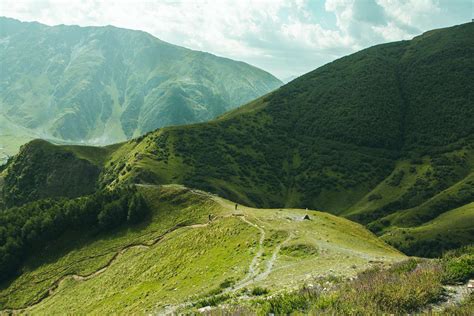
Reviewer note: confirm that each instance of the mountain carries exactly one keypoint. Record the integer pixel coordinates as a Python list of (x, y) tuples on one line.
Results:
[(383, 136), (101, 85), (290, 78)]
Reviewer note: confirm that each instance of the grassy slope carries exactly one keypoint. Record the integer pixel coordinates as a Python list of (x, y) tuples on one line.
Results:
[(191, 261), (449, 230)]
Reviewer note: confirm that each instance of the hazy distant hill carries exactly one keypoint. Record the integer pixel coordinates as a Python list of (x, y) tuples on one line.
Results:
[(290, 78), (106, 84)]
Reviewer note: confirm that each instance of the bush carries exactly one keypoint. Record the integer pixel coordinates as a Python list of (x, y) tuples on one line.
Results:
[(396, 179), (374, 197), (212, 300), (284, 304), (227, 283), (258, 291), (137, 209), (405, 266), (111, 215), (458, 266)]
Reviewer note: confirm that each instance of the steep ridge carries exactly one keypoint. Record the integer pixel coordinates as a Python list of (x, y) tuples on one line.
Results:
[(100, 85), (383, 136)]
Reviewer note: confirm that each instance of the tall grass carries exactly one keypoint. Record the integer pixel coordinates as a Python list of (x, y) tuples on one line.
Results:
[(407, 287), (403, 289)]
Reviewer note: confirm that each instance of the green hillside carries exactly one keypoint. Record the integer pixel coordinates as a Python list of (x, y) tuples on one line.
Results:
[(445, 231), (383, 136), (178, 256), (100, 85)]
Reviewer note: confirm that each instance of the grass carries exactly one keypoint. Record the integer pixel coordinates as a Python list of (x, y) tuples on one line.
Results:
[(213, 300), (299, 250), (86, 254), (411, 286), (201, 264), (393, 291), (162, 274)]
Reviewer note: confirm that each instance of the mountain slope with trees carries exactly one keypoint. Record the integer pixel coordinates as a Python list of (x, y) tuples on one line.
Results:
[(383, 136)]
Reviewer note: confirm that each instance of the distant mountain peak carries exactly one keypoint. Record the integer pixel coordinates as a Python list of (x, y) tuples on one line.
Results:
[(108, 84)]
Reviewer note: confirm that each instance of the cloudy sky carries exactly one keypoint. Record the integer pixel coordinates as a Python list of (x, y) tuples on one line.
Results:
[(285, 37)]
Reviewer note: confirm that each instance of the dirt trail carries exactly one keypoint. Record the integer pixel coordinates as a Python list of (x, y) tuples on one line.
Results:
[(252, 275), (253, 269), (272, 260), (455, 294)]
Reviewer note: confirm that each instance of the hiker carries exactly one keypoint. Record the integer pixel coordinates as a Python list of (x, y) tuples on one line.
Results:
[(236, 206), (210, 217)]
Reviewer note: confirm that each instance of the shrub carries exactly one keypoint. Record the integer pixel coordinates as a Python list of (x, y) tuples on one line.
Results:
[(374, 197), (458, 266), (137, 209), (212, 300), (405, 266), (258, 291), (396, 179), (299, 250), (227, 283), (405, 288), (284, 304), (111, 215)]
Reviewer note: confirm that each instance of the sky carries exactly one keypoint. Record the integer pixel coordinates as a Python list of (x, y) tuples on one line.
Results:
[(285, 37)]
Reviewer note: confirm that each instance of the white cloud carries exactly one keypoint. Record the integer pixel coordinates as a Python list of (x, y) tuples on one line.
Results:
[(283, 36), (410, 12)]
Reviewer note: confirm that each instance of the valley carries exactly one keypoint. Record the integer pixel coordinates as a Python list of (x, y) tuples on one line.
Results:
[(311, 144)]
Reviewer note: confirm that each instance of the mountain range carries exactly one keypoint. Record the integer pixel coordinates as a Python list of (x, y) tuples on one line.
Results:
[(276, 196), (100, 85), (383, 136)]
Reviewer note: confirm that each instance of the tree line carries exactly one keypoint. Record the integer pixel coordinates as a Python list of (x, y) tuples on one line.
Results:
[(32, 226)]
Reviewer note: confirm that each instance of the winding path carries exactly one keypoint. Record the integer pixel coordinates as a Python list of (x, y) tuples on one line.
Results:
[(77, 277), (252, 275), (253, 269)]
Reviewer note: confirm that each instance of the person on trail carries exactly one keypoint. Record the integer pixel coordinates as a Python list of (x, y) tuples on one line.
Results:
[(210, 217), (236, 206)]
